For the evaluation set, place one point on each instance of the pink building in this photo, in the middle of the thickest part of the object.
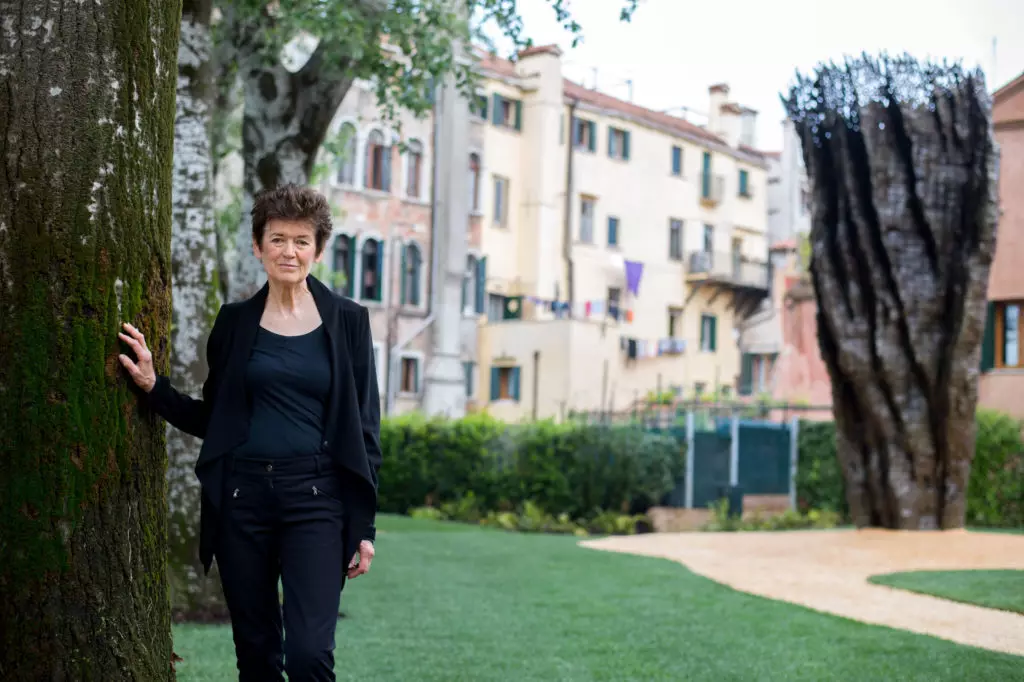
(1002, 380)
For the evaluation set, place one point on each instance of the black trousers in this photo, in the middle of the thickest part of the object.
(282, 519)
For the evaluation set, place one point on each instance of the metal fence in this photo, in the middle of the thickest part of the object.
(732, 449)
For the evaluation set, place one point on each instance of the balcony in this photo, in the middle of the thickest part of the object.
(730, 269)
(711, 190)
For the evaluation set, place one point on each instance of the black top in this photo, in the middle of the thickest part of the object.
(288, 379)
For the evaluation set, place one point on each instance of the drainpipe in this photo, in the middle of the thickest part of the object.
(394, 366)
(567, 223)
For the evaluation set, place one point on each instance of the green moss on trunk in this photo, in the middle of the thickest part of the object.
(84, 243)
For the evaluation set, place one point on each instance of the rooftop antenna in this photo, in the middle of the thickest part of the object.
(994, 81)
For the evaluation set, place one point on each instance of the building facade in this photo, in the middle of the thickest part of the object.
(1002, 380)
(622, 246)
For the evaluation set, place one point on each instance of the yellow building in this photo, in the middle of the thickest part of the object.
(649, 197)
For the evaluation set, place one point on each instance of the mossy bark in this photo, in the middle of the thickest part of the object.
(86, 130)
(903, 168)
(196, 301)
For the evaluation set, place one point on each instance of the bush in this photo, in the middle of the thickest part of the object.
(471, 467)
(995, 496)
(530, 518)
(790, 519)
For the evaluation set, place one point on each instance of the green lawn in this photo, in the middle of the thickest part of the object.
(483, 605)
(994, 589)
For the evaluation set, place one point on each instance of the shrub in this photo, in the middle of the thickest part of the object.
(470, 467)
(995, 495)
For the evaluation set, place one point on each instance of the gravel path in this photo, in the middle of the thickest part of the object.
(828, 571)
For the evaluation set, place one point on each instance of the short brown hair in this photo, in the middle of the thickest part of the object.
(292, 202)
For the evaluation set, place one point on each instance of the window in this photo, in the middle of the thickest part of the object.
(474, 283)
(1007, 332)
(373, 267)
(500, 201)
(467, 368)
(412, 273)
(705, 176)
(613, 231)
(347, 159)
(707, 333)
(614, 295)
(410, 374)
(505, 383)
(495, 307)
(587, 206)
(709, 238)
(677, 161)
(675, 239)
(478, 107)
(584, 134)
(344, 264)
(675, 323)
(507, 113)
(468, 279)
(414, 168)
(744, 184)
(474, 182)
(618, 144)
(378, 162)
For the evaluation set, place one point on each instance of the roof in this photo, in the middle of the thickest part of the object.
(602, 101)
(574, 91)
(1009, 88)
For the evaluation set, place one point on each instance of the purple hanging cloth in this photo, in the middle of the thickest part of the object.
(634, 271)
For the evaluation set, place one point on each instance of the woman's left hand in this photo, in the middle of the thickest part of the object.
(360, 563)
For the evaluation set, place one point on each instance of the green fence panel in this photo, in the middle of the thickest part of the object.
(764, 459)
(711, 451)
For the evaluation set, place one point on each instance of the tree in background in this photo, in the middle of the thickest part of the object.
(902, 165)
(403, 47)
(196, 298)
(85, 225)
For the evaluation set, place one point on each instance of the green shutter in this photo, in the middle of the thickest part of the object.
(519, 115)
(746, 374)
(404, 290)
(380, 270)
(481, 285)
(513, 308)
(714, 334)
(495, 381)
(988, 341)
(514, 383)
(625, 145)
(611, 142)
(593, 136)
(496, 110)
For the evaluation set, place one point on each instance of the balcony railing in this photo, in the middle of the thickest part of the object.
(711, 189)
(731, 268)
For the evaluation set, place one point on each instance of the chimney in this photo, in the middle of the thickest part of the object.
(718, 94)
(748, 127)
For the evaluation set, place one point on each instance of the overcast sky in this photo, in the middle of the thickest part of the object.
(674, 49)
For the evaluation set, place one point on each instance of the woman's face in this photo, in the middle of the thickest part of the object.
(288, 251)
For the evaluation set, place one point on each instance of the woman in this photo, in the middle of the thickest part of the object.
(290, 422)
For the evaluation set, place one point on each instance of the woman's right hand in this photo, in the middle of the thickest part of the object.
(141, 370)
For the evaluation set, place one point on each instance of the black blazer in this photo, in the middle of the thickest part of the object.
(221, 417)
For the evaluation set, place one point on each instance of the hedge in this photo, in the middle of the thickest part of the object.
(995, 495)
(580, 470)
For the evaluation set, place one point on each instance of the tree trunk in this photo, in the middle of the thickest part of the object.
(286, 117)
(196, 301)
(902, 166)
(85, 222)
